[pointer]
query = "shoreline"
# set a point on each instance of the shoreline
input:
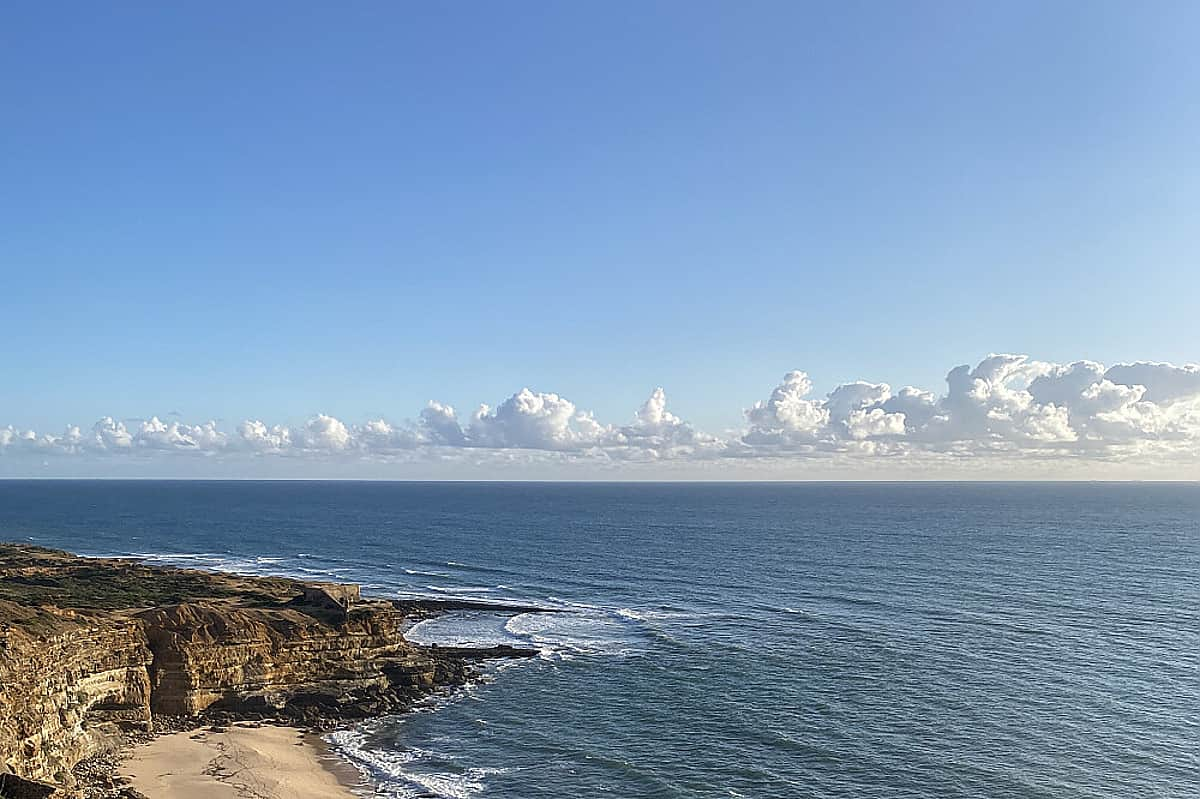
(241, 760)
(96, 650)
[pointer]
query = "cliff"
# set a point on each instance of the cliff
(91, 650)
(284, 662)
(70, 685)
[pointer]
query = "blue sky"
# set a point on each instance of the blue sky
(272, 211)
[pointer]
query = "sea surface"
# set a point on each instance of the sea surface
(723, 640)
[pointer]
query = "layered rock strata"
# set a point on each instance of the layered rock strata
(80, 666)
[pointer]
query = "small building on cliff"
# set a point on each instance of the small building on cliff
(331, 596)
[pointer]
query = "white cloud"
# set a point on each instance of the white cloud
(1163, 382)
(379, 435)
(441, 426)
(992, 403)
(1007, 404)
(110, 434)
(155, 434)
(258, 437)
(656, 433)
(1007, 408)
(787, 418)
(324, 433)
(917, 406)
(529, 420)
(873, 423)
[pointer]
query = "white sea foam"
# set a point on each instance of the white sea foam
(402, 773)
(656, 614)
(584, 630)
(427, 573)
(460, 589)
(475, 628)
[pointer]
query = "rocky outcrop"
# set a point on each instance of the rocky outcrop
(70, 692)
(76, 676)
(283, 662)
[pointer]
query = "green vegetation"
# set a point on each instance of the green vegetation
(37, 577)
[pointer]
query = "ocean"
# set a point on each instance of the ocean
(757, 640)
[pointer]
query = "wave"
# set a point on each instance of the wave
(581, 630)
(465, 589)
(472, 567)
(461, 629)
(656, 614)
(427, 573)
(407, 773)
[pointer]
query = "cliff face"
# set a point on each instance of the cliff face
(92, 648)
(69, 692)
(284, 662)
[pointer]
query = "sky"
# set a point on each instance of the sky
(334, 222)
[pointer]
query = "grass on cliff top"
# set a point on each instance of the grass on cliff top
(36, 577)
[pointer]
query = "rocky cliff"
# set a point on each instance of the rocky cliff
(91, 649)
(69, 685)
(284, 662)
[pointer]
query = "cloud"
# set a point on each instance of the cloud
(440, 425)
(379, 435)
(258, 437)
(325, 433)
(787, 418)
(1005, 404)
(1163, 383)
(531, 420)
(154, 434)
(110, 434)
(656, 433)
(1008, 408)
(992, 403)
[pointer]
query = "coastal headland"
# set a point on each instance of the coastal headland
(99, 654)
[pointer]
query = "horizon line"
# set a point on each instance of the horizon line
(53, 479)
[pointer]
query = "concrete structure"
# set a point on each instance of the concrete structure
(335, 596)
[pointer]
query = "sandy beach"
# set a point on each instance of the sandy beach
(242, 761)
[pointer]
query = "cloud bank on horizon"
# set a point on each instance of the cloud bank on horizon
(1008, 408)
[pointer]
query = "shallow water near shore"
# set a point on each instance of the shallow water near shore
(759, 640)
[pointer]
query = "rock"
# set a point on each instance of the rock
(135, 650)
(14, 787)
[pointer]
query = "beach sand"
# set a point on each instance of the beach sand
(242, 761)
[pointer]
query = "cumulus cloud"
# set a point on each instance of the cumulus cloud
(258, 437)
(992, 403)
(787, 417)
(1008, 406)
(440, 425)
(1005, 403)
(657, 433)
(531, 420)
(155, 434)
(325, 433)
(1163, 383)
(110, 434)
(379, 435)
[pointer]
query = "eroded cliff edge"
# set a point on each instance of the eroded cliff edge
(93, 649)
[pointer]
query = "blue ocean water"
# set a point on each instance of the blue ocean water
(757, 640)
